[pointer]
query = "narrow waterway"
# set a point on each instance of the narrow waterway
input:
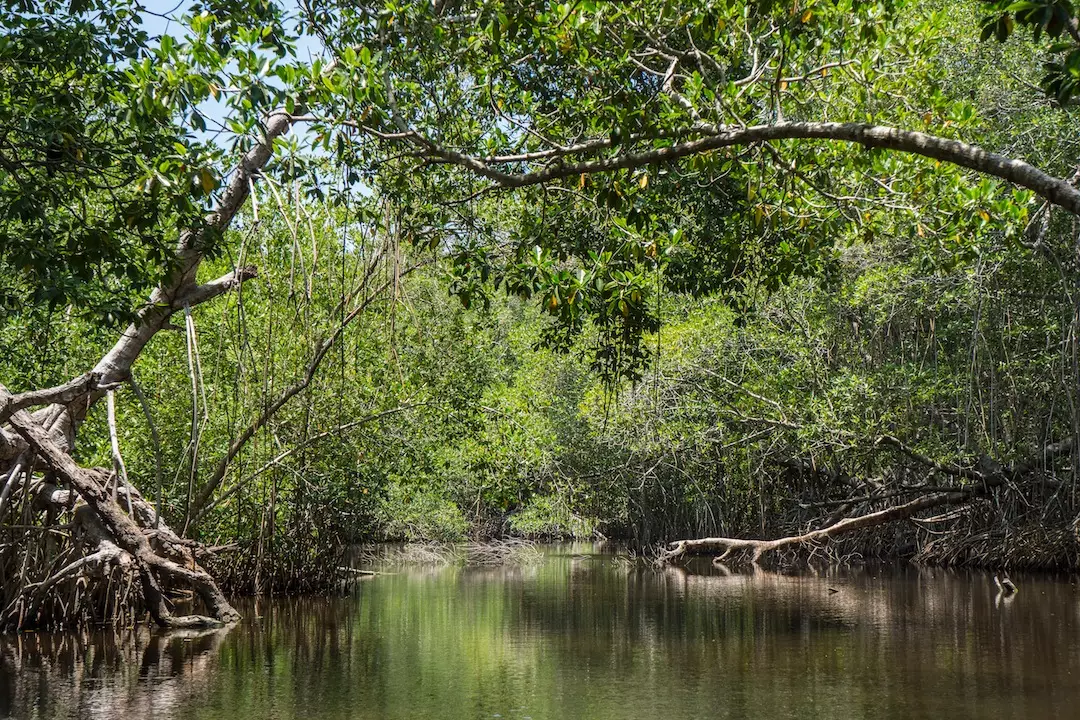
(584, 634)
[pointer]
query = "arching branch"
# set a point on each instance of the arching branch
(1056, 190)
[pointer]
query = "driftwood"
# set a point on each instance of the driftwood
(981, 480)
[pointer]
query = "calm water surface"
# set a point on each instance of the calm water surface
(581, 635)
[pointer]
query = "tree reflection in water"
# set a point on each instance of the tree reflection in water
(582, 635)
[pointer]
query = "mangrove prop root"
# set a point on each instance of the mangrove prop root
(116, 538)
(39, 560)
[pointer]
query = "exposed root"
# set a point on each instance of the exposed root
(1028, 546)
(129, 547)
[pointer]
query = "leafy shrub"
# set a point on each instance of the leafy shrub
(550, 516)
(411, 513)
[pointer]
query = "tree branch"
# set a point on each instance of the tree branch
(1018, 172)
(65, 393)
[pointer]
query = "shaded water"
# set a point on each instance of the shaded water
(581, 635)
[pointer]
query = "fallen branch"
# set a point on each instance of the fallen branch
(984, 480)
(728, 546)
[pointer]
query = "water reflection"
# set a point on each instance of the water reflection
(582, 635)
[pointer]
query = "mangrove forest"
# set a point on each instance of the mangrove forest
(676, 321)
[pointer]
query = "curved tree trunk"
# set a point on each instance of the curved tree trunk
(112, 535)
(1056, 190)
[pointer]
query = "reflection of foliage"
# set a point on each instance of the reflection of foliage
(572, 632)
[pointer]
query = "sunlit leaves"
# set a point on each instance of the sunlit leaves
(104, 154)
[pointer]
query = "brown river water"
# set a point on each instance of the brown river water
(581, 633)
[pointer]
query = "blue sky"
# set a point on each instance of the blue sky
(159, 23)
(163, 18)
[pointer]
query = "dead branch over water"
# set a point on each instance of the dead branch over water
(978, 481)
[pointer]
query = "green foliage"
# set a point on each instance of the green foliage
(708, 343)
(421, 514)
(595, 251)
(1054, 18)
(549, 516)
(97, 173)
